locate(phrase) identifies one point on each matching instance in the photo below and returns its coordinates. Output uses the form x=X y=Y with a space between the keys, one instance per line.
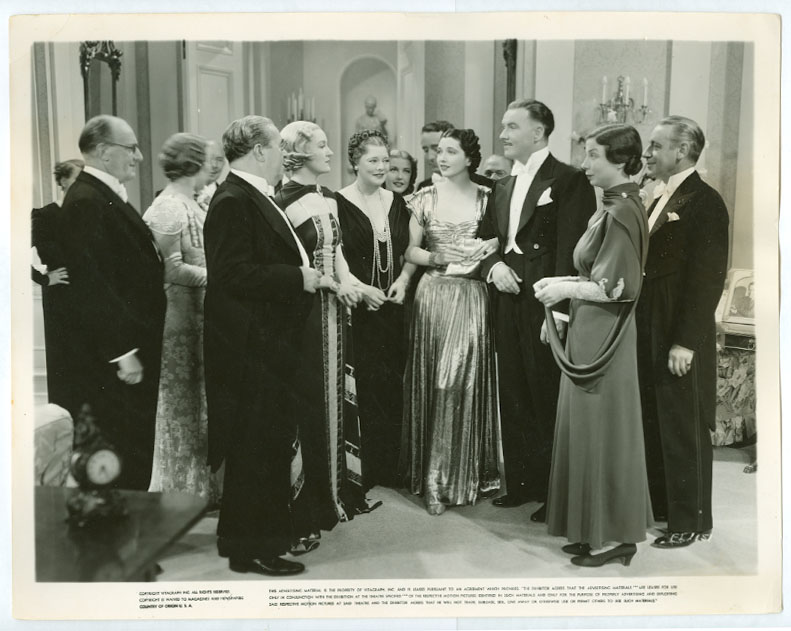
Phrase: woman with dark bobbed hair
x=449 y=444
x=598 y=487
x=176 y=221
x=375 y=223
x=402 y=172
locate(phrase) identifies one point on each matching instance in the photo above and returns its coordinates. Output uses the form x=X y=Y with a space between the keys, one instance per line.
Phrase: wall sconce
x=621 y=107
x=301 y=108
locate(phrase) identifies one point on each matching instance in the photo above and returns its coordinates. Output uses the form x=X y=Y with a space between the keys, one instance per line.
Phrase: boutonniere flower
x=672 y=217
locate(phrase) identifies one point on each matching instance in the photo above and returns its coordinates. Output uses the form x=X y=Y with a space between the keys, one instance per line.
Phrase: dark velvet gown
x=379 y=341
x=329 y=427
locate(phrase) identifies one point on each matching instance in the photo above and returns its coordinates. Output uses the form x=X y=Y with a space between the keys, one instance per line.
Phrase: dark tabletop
x=123 y=550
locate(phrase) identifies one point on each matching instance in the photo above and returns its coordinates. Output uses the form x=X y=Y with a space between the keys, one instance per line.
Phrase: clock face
x=103 y=466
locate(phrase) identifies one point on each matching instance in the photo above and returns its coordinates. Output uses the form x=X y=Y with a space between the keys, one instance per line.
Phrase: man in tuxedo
x=538 y=213
x=684 y=276
x=258 y=298
x=116 y=299
x=429 y=142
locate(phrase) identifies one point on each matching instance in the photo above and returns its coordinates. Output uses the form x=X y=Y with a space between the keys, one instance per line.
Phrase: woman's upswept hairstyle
x=182 y=155
x=294 y=138
x=360 y=140
x=622 y=145
x=470 y=145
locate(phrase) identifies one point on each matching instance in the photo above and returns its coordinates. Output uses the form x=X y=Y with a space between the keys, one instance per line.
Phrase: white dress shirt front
x=263 y=187
x=664 y=193
x=111 y=181
x=525 y=174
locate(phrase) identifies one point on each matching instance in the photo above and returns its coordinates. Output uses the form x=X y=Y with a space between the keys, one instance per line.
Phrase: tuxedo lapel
x=678 y=201
x=267 y=209
x=544 y=177
x=503 y=204
x=123 y=208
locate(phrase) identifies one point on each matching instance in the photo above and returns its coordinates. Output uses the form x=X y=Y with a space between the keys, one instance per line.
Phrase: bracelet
x=432 y=259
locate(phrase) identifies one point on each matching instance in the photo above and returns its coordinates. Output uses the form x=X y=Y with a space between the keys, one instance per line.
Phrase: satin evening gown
x=449 y=440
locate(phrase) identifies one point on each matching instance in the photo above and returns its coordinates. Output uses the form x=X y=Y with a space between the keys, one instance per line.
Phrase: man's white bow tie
x=520 y=169
x=662 y=188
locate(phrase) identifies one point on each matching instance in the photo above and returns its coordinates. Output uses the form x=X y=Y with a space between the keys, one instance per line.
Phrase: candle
x=312 y=108
x=626 y=94
x=288 y=117
x=645 y=91
x=300 y=104
x=604 y=89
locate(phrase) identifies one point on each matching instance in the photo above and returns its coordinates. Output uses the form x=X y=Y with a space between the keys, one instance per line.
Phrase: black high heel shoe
x=622 y=553
x=577 y=549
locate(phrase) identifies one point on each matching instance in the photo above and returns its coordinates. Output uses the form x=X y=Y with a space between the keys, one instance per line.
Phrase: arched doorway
x=365 y=76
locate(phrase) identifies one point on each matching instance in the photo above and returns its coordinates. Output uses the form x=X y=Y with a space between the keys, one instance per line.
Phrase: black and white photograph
x=322 y=317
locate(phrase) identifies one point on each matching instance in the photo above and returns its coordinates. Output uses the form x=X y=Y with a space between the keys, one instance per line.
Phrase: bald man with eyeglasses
x=116 y=298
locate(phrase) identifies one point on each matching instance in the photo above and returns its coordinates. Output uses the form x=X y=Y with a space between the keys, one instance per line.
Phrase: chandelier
x=620 y=108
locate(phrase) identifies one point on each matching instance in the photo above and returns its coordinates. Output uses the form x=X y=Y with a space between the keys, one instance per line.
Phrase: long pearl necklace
x=379 y=237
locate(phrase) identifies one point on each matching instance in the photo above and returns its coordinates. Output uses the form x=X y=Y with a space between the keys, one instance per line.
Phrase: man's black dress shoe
x=509 y=501
x=540 y=515
x=680 y=539
x=271 y=567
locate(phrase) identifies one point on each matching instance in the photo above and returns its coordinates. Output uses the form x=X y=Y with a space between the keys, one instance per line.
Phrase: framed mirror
x=100 y=66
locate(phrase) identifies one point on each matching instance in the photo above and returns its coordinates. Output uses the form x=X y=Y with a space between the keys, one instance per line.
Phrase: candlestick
x=628 y=84
x=645 y=91
x=604 y=89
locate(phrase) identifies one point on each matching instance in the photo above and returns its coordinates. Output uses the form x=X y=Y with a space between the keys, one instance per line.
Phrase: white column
x=742 y=213
x=555 y=88
x=479 y=91
x=411 y=97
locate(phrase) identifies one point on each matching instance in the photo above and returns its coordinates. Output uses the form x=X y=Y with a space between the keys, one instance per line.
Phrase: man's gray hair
x=97 y=130
x=243 y=134
x=687 y=130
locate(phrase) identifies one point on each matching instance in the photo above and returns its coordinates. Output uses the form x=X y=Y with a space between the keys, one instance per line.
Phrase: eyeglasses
x=132 y=148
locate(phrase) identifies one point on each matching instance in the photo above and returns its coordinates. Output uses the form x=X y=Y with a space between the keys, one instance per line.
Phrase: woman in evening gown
x=450 y=417
x=375 y=224
x=329 y=427
x=598 y=489
x=176 y=221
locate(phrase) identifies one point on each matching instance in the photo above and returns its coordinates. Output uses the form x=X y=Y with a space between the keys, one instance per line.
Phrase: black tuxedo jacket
x=115 y=303
x=254 y=298
x=684 y=277
x=547 y=234
x=115 y=273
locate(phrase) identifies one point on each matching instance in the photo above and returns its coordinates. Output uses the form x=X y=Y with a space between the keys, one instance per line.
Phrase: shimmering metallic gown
x=449 y=440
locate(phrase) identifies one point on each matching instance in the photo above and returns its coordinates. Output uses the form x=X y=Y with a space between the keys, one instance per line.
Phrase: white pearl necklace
x=379 y=237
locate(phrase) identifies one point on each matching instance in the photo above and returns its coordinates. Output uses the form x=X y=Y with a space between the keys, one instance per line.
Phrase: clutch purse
x=464 y=268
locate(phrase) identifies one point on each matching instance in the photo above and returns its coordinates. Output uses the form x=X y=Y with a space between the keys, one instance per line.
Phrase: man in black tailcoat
x=684 y=276
x=116 y=299
x=258 y=298
x=538 y=214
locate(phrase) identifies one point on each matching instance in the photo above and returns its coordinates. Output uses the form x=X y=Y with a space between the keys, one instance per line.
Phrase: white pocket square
x=545 y=198
x=672 y=217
